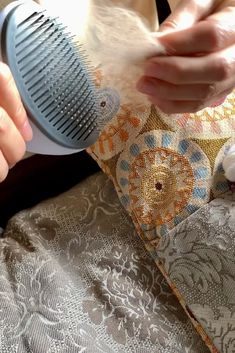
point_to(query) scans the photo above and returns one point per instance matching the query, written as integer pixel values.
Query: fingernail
(26, 131)
(146, 87)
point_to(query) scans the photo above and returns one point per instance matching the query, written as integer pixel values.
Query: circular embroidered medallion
(215, 122)
(164, 179)
(162, 183)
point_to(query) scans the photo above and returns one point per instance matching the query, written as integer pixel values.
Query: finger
(12, 144)
(186, 14)
(218, 29)
(4, 168)
(161, 90)
(180, 107)
(216, 67)
(195, 92)
(11, 102)
(176, 107)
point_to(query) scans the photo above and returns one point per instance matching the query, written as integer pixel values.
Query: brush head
(52, 75)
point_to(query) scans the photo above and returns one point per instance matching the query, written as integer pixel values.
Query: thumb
(185, 14)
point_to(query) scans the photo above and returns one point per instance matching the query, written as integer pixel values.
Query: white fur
(116, 40)
(119, 41)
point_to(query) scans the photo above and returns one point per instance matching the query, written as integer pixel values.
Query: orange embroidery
(118, 127)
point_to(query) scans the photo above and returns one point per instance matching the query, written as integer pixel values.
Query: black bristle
(27, 19)
(33, 30)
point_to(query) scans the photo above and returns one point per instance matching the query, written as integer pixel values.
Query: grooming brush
(53, 79)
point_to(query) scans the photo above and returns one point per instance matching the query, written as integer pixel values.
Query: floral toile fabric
(75, 278)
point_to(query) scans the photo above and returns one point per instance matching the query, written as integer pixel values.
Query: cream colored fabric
(146, 8)
(75, 278)
(72, 12)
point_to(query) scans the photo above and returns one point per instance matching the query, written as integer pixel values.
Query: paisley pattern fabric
(75, 278)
